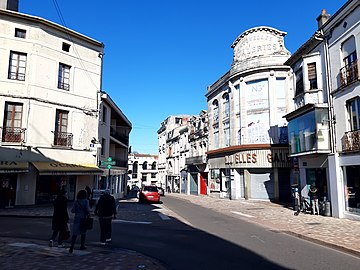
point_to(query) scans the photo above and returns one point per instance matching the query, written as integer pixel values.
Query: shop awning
(59, 168)
(13, 167)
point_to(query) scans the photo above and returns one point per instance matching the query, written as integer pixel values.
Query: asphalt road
(212, 241)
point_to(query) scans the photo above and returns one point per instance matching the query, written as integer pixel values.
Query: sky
(161, 55)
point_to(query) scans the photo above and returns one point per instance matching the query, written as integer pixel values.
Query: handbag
(87, 222)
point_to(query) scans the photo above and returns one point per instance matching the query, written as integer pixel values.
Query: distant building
(143, 170)
(173, 150)
(195, 180)
(248, 151)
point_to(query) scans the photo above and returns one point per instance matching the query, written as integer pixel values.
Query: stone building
(248, 150)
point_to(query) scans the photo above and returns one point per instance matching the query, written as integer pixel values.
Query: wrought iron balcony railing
(13, 134)
(349, 74)
(351, 141)
(63, 139)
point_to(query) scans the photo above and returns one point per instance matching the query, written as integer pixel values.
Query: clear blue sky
(161, 55)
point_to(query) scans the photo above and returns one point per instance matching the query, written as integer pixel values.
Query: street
(182, 235)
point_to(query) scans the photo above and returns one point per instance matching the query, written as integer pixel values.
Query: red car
(149, 194)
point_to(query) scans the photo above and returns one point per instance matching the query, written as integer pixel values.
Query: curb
(324, 243)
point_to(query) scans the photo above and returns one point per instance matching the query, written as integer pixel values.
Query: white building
(143, 170)
(195, 179)
(341, 35)
(173, 149)
(50, 98)
(248, 151)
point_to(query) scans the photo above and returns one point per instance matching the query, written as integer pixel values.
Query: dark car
(149, 194)
(161, 191)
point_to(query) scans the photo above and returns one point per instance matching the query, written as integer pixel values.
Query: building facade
(173, 150)
(248, 150)
(50, 98)
(143, 170)
(194, 180)
(341, 34)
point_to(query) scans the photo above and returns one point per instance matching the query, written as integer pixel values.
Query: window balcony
(120, 137)
(349, 74)
(63, 139)
(13, 134)
(351, 141)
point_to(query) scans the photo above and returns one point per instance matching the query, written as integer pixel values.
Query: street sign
(109, 159)
(106, 163)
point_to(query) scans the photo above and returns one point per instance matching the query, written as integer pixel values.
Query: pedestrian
(106, 211)
(81, 209)
(60, 219)
(89, 195)
(314, 199)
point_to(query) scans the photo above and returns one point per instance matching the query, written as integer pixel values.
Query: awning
(59, 168)
(14, 167)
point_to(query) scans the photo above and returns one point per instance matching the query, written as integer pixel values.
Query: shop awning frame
(59, 168)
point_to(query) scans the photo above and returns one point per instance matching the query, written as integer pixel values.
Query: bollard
(327, 209)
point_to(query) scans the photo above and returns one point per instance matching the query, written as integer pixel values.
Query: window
(104, 113)
(353, 108)
(153, 166)
(299, 82)
(103, 142)
(20, 33)
(12, 131)
(226, 106)
(153, 175)
(227, 133)
(312, 76)
(135, 169)
(349, 73)
(61, 137)
(17, 66)
(216, 111)
(144, 166)
(65, 47)
(64, 77)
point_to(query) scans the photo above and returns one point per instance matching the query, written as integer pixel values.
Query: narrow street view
(179, 135)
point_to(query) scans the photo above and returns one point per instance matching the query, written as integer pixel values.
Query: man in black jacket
(106, 211)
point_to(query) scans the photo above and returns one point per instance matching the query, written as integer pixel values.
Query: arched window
(153, 166)
(226, 102)
(216, 110)
(144, 166)
(135, 169)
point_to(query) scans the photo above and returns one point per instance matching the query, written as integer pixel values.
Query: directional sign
(109, 159)
(105, 163)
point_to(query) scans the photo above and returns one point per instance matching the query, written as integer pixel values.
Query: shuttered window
(312, 76)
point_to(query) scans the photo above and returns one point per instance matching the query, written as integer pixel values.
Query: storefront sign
(259, 158)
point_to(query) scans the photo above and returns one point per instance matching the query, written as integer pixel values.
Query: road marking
(241, 214)
(129, 221)
(163, 217)
(258, 238)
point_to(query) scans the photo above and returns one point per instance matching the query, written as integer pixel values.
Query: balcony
(13, 134)
(351, 141)
(120, 137)
(349, 74)
(63, 139)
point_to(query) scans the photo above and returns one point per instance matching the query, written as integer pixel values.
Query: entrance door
(203, 181)
(7, 190)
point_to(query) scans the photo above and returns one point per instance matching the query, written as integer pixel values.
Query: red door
(203, 181)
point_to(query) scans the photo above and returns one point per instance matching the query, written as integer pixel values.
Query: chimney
(322, 19)
(10, 5)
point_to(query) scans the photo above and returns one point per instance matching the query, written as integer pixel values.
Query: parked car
(149, 194)
(161, 191)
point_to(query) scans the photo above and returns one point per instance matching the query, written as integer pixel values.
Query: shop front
(54, 176)
(9, 172)
(252, 174)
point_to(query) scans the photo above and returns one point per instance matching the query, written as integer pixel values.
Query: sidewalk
(36, 254)
(341, 234)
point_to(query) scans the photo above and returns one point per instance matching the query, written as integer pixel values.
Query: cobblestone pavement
(341, 234)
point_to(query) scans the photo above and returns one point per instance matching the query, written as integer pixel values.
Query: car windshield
(152, 189)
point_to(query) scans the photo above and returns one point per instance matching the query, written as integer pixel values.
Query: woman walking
(82, 210)
(60, 219)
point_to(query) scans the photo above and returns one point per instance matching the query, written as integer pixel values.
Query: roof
(42, 21)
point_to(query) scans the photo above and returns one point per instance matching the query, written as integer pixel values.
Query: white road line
(241, 214)
(163, 217)
(129, 221)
